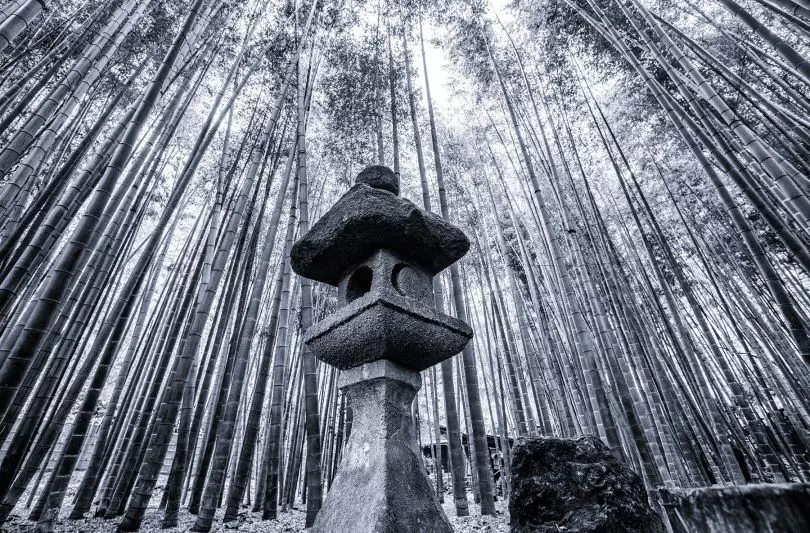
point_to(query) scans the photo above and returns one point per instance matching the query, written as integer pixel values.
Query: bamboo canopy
(633, 178)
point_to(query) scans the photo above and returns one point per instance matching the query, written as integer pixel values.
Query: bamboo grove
(633, 175)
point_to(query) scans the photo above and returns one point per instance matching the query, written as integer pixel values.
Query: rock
(782, 508)
(366, 219)
(379, 177)
(576, 485)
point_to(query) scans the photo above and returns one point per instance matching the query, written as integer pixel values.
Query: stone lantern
(382, 252)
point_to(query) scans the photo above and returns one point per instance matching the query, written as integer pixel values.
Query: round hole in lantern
(359, 283)
(408, 281)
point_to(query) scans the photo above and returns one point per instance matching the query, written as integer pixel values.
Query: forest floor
(287, 522)
(499, 523)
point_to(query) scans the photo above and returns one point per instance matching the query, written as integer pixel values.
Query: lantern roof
(369, 217)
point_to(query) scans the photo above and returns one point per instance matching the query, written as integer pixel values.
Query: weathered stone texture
(379, 177)
(576, 485)
(387, 326)
(783, 508)
(386, 271)
(381, 486)
(366, 219)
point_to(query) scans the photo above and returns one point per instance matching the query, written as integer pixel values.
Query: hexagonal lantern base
(385, 325)
(381, 485)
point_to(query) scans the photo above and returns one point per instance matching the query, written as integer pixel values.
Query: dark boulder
(576, 485)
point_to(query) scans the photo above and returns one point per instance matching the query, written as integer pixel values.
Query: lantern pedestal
(381, 485)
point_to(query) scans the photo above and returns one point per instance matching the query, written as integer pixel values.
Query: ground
(288, 522)
(475, 522)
